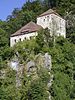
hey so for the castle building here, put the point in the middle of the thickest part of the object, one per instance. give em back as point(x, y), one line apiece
point(49, 19)
point(26, 32)
point(53, 21)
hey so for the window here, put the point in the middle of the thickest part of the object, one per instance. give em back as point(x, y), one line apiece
point(30, 37)
point(59, 34)
point(25, 38)
point(15, 40)
point(47, 18)
point(20, 39)
point(44, 20)
point(60, 24)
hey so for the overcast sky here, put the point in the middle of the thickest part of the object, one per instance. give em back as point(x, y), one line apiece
point(7, 6)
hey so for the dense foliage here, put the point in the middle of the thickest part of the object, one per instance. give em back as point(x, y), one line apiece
point(62, 52)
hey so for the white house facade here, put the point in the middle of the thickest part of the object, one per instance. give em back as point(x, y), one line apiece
point(15, 39)
point(49, 19)
point(52, 21)
point(27, 32)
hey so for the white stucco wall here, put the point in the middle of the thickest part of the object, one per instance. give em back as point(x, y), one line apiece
point(48, 20)
point(60, 25)
point(22, 37)
point(44, 21)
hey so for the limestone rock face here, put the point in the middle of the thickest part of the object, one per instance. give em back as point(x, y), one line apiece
point(19, 74)
point(39, 60)
point(47, 62)
point(31, 66)
point(43, 60)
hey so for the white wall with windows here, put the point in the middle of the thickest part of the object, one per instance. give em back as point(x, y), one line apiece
point(54, 23)
point(15, 39)
point(44, 21)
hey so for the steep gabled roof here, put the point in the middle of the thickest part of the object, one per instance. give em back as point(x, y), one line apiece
point(50, 11)
point(28, 28)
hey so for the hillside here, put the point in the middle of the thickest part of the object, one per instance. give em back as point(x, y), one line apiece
point(34, 81)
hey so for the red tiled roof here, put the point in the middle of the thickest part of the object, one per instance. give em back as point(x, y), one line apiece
point(28, 28)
